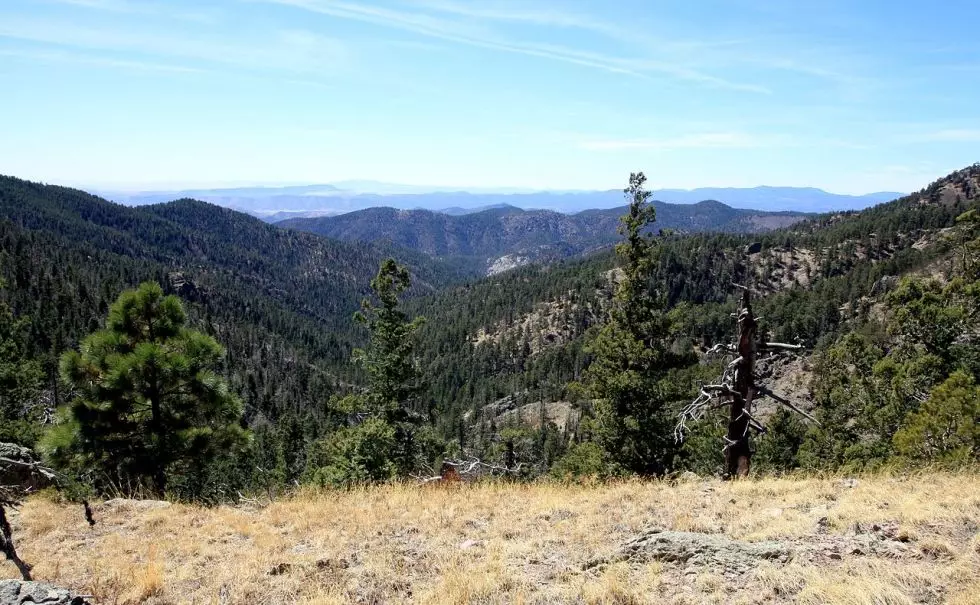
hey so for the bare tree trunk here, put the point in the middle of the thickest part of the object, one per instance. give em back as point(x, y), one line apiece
point(738, 454)
point(7, 546)
point(737, 390)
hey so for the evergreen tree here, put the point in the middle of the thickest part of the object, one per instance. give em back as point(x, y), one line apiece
point(148, 403)
point(389, 358)
point(629, 376)
point(20, 381)
point(946, 428)
point(389, 437)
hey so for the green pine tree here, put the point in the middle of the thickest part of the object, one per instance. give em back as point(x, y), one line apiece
point(389, 360)
point(629, 376)
point(389, 437)
point(946, 428)
point(148, 403)
point(20, 381)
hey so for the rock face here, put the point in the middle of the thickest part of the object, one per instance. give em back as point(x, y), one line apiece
point(16, 592)
point(19, 469)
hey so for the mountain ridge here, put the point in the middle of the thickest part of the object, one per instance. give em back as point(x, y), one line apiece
point(521, 236)
point(336, 200)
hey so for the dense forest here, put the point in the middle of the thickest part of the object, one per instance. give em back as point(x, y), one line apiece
point(501, 238)
point(574, 367)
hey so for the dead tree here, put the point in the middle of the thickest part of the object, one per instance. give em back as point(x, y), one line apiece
point(21, 474)
point(456, 471)
point(737, 390)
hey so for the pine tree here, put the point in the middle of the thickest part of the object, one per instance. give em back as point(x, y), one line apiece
point(629, 375)
point(20, 381)
point(389, 438)
point(389, 361)
point(148, 402)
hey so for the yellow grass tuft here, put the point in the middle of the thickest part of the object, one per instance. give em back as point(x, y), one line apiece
point(514, 543)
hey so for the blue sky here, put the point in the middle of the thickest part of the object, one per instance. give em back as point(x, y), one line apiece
point(851, 96)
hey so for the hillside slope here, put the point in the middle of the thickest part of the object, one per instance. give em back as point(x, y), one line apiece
point(506, 237)
point(524, 333)
point(280, 301)
point(867, 541)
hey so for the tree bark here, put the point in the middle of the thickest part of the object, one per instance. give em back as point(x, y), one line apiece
point(156, 427)
point(7, 546)
point(738, 454)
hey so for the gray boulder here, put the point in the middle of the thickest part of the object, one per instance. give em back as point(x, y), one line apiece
point(17, 592)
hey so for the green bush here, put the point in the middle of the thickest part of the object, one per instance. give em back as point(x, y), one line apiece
point(355, 455)
point(946, 428)
point(584, 460)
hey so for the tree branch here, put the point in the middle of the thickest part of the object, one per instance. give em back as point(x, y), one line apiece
point(787, 403)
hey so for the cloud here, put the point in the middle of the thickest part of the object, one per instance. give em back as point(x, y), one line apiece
point(521, 14)
point(295, 51)
point(955, 135)
point(473, 32)
point(56, 56)
point(142, 7)
point(709, 140)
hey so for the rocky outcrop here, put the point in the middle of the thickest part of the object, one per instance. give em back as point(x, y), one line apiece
point(21, 472)
point(17, 592)
point(697, 549)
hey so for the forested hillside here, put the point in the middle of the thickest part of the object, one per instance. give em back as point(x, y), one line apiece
point(504, 369)
point(279, 300)
point(502, 238)
point(527, 332)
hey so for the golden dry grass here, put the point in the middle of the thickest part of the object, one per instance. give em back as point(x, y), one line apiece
point(507, 543)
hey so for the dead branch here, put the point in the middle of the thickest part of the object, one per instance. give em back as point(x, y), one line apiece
point(782, 346)
point(787, 403)
point(720, 348)
point(746, 289)
point(468, 467)
point(31, 466)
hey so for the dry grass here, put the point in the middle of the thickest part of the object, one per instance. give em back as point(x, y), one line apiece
point(503, 543)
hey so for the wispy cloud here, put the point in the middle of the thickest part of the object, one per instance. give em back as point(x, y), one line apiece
point(142, 7)
point(474, 32)
point(955, 135)
point(56, 56)
point(707, 140)
point(294, 51)
point(521, 13)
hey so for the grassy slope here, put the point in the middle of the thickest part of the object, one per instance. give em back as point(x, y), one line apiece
point(523, 543)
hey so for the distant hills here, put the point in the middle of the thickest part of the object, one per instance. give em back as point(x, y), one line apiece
point(351, 196)
point(503, 237)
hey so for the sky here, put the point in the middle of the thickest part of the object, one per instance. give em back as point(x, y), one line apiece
point(850, 96)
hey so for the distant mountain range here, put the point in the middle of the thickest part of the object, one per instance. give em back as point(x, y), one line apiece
point(504, 237)
point(350, 196)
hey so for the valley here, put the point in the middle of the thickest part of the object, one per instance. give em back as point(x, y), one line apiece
point(480, 303)
point(503, 383)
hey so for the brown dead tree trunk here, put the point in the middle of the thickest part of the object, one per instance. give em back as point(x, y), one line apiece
point(738, 453)
point(737, 390)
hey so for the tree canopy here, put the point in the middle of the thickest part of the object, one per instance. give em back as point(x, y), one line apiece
point(148, 400)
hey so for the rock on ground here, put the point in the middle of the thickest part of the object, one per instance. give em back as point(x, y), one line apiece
point(17, 592)
point(714, 550)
